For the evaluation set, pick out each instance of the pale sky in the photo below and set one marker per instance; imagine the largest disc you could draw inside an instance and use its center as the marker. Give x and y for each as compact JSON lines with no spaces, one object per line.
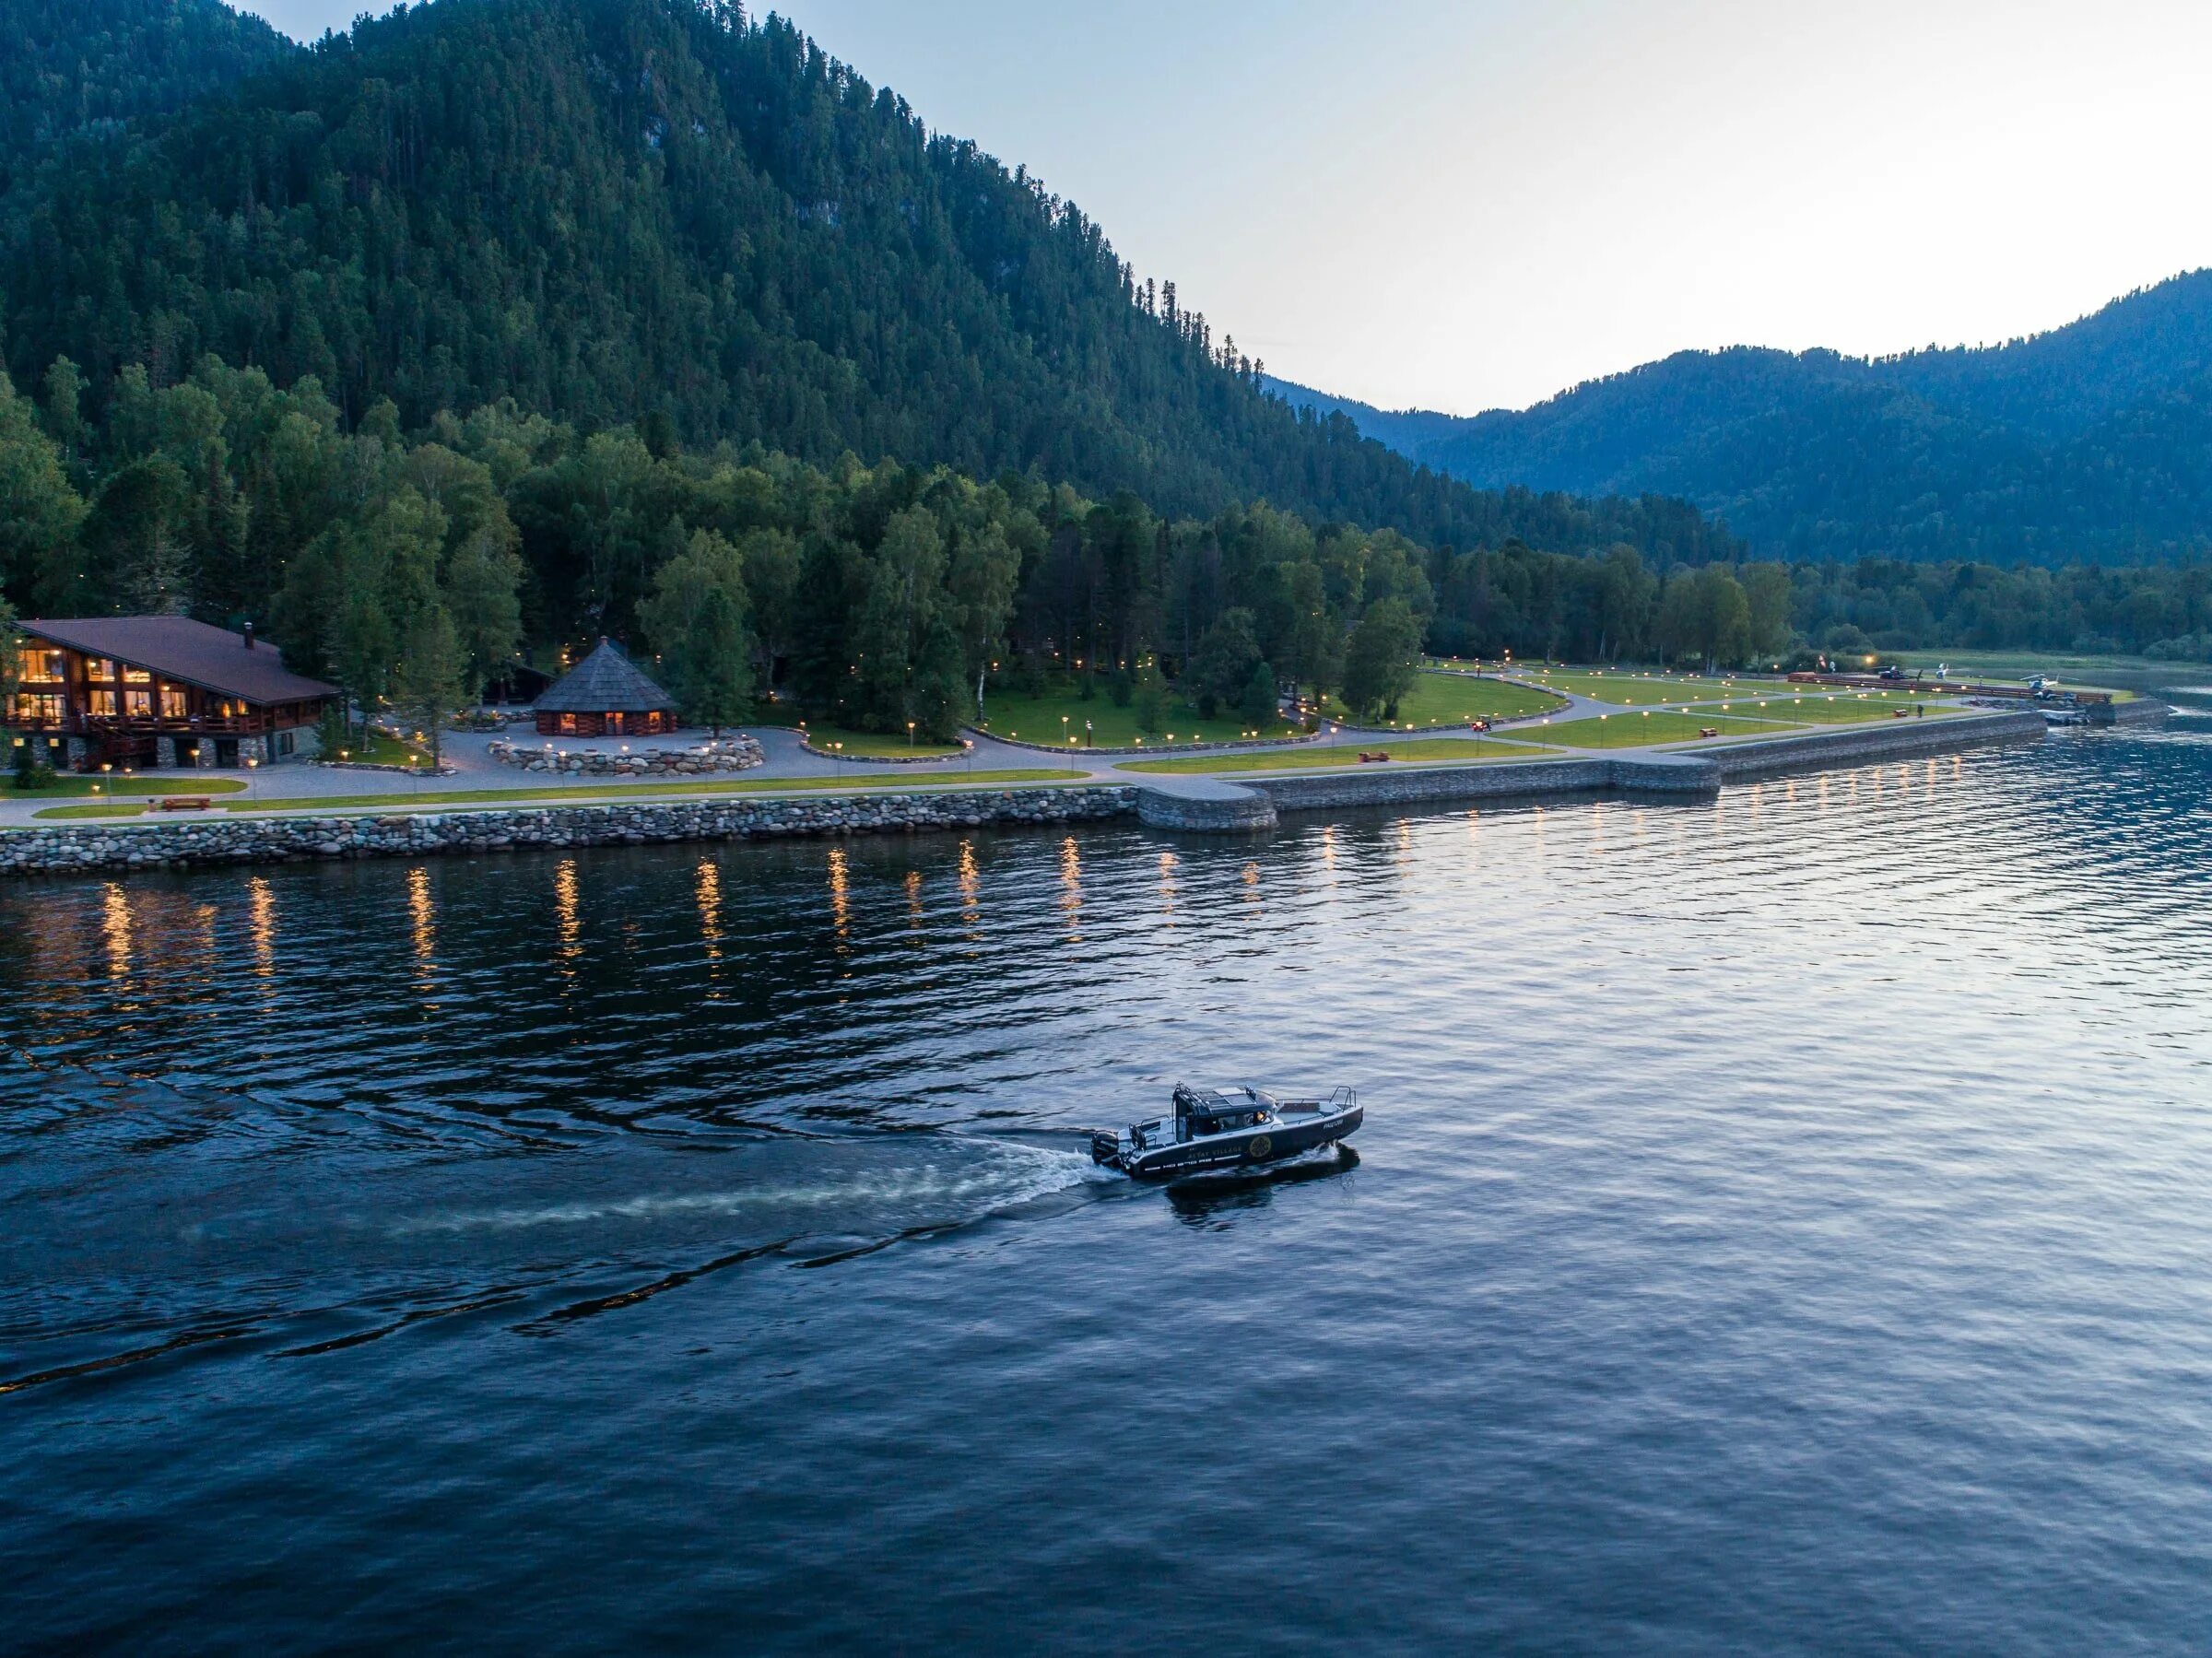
{"x":1468,"y":204}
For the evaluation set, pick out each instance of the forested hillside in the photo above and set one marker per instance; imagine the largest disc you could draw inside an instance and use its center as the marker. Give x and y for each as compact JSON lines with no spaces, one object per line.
{"x":604,"y":208}
{"x":70,"y":69}
{"x":2093,"y":441}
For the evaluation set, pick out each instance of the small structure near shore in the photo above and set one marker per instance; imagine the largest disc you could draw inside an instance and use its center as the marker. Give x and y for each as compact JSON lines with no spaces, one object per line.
{"x":606,"y":694}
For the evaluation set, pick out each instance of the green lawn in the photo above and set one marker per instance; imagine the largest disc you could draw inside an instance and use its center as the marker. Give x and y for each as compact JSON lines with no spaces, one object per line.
{"x":1635,"y":730}
{"x":72,"y":786}
{"x":1009,"y":714}
{"x":378,"y":749}
{"x":615,"y":793}
{"x":1341,"y":757}
{"x":1843,"y":708}
{"x":1629,"y":688}
{"x":115,"y":809}
{"x":874,"y":745}
{"x":1453,"y":699}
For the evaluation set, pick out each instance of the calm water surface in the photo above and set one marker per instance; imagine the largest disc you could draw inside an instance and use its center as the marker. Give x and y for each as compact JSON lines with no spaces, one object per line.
{"x":1783,"y":1222}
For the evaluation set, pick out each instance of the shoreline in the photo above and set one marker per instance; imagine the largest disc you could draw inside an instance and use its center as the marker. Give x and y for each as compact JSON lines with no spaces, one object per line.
{"x":1197,"y":803}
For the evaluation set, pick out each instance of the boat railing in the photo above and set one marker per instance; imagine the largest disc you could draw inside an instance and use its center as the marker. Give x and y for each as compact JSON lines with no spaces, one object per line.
{"x":1343,"y":1100}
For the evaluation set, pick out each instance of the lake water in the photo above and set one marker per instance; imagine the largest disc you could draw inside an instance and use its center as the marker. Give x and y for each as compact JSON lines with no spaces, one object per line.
{"x":1783,"y":1222}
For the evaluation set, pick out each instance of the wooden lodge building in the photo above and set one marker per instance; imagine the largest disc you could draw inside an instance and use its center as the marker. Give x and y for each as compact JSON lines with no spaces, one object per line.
{"x":606,"y":694}
{"x":159,"y":690}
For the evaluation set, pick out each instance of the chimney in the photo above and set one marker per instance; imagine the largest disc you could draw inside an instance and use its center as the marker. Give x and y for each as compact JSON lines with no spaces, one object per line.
{"x":249,"y":636}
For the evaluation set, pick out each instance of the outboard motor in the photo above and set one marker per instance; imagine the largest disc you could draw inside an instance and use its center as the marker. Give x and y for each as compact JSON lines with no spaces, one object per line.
{"x":1104,"y":1147}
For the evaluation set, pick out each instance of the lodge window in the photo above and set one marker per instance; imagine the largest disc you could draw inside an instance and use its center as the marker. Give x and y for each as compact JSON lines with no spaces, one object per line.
{"x":34,"y":708}
{"x":99,"y":667}
{"x":138,"y":705}
{"x":172,"y":702}
{"x":41,"y":668}
{"x":131,"y":675}
{"x":100,"y":704}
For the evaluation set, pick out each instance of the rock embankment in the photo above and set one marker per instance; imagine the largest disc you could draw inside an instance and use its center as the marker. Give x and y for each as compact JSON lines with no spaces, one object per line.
{"x":87,"y":847}
{"x":702,"y":759}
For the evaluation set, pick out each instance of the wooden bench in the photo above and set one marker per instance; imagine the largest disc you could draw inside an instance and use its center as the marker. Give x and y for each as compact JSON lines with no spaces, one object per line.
{"x":183,"y":803}
{"x":1367,"y":759}
{"x":1709,"y":731}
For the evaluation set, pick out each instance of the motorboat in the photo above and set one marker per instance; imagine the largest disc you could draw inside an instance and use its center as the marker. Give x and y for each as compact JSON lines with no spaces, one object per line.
{"x":1218,"y":1128}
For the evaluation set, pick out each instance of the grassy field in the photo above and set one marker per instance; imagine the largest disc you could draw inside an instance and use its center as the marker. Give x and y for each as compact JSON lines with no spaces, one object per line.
{"x":1627,"y":687}
{"x":381,"y":749}
{"x":875,"y":744}
{"x":74,"y":787}
{"x":107,"y":809}
{"x":1635,"y":730}
{"x":2071,"y":667}
{"x":1038,"y":720}
{"x":616,"y":793}
{"x":1845,"y":708}
{"x":1453,"y":699}
{"x":1342,"y":757}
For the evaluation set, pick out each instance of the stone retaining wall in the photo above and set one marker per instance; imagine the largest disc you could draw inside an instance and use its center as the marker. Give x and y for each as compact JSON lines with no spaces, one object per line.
{"x":1414,"y":785}
{"x":2141,"y":710}
{"x":80,"y":848}
{"x":1872,"y":742}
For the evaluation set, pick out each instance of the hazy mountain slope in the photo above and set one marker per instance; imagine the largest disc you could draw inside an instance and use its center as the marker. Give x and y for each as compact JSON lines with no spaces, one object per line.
{"x":2090,"y":440}
{"x":607,"y":208}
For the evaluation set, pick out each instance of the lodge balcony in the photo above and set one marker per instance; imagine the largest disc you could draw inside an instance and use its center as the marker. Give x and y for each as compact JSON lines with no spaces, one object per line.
{"x":73,"y":724}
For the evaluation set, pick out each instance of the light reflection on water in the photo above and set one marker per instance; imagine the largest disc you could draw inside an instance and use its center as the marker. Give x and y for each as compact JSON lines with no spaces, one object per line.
{"x":1782,"y":1220}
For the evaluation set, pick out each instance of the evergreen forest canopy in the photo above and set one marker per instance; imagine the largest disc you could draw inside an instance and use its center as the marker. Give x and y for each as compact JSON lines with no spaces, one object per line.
{"x":2091,"y":444}
{"x":607,"y":209}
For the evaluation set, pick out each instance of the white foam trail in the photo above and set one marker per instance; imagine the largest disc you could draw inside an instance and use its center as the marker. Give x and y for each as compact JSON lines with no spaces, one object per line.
{"x":992,"y":1184}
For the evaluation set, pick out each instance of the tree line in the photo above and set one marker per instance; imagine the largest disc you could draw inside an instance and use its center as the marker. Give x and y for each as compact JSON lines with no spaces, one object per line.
{"x":416,"y":566}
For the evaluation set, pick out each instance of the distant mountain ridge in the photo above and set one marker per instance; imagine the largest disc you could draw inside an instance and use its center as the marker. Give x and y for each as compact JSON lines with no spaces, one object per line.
{"x":2093,"y":441}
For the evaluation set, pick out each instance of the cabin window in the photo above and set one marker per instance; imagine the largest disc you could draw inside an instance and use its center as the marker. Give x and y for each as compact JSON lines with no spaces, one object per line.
{"x":138,"y":705}
{"x":100,"y":704}
{"x":614,"y":724}
{"x":37,"y":708}
{"x":172,"y":702}
{"x":99,"y":667}
{"x":42,"y":666}
{"x":568,"y":725}
{"x":131,"y":675}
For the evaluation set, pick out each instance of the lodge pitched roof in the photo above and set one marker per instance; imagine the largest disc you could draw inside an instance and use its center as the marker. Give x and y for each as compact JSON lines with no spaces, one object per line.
{"x":606,"y":682}
{"x":176,"y":647}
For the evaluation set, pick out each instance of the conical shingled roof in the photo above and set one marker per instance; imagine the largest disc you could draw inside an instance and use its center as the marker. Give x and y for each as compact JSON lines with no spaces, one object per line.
{"x":606,"y":682}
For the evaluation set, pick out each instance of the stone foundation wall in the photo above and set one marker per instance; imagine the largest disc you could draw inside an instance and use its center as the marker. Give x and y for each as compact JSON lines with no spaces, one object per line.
{"x":82,"y":847}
